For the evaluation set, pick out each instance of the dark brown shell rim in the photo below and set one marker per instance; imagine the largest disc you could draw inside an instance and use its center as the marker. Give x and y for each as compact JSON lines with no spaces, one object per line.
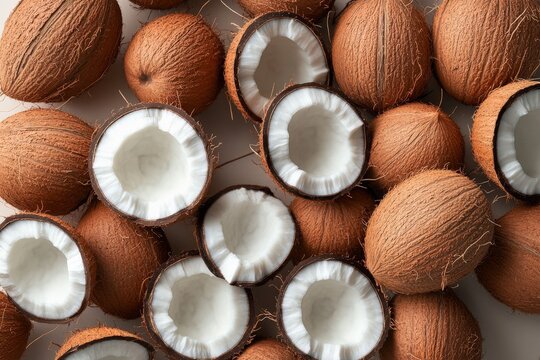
{"x":134,"y":339}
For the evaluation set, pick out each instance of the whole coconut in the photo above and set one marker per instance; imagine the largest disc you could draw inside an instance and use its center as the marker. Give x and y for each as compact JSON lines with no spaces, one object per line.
{"x":428,"y":232}
{"x":481,"y":45}
{"x":309,"y":9}
{"x":52,"y":50}
{"x":511,"y":272}
{"x":126,"y":255}
{"x":410,"y":139}
{"x":14,"y":330}
{"x":268,"y":349}
{"x":434,"y":326}
{"x":381,"y":52}
{"x":157,"y":4}
{"x":183,"y":68}
{"x":44,"y":161}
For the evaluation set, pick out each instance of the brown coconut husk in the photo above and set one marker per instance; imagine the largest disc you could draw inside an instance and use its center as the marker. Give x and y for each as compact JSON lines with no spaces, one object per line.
{"x":268,"y":349}
{"x":312,"y":10}
{"x":157,"y":4}
{"x":14,"y":330}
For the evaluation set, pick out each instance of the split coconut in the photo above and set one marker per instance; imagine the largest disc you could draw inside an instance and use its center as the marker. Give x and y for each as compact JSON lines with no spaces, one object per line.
{"x":504,"y":139}
{"x":14,"y":330}
{"x":151,"y":163}
{"x":329,"y":309}
{"x":309,"y":9}
{"x":313,"y":143}
{"x":245,"y":234}
{"x":157,"y":4}
{"x":270,"y":52}
{"x":45,"y":268}
{"x":52,"y":50}
{"x":428,"y":232}
{"x":192,"y":314}
{"x":44,"y":161}
{"x":176,"y":59}
{"x":268,"y":349}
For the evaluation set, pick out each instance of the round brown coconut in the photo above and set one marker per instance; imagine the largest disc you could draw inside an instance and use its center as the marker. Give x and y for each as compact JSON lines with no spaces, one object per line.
{"x":428,"y":232}
{"x":434,"y":326}
{"x":310,"y":9}
{"x":126,"y":256}
{"x":44,"y":161}
{"x":478,"y":47}
{"x":52,"y":50}
{"x":511,"y":271}
{"x":268,"y":349}
{"x":381,"y":53}
{"x":14,"y":330}
{"x":410,"y":139}
{"x":183,"y":68}
{"x":157,"y":4}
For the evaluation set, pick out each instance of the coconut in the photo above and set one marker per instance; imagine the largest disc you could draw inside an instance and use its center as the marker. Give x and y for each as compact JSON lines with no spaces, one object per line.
{"x":309,"y":9}
{"x":119,"y":244}
{"x":269,"y":53}
{"x":151,"y":163}
{"x":313,"y":143}
{"x":268,"y":349}
{"x":428,"y":232}
{"x":52,"y":50}
{"x":410,"y":139}
{"x":182,"y":68}
{"x":511,"y":272}
{"x":434,"y":326}
{"x":157,"y":4}
{"x":504,"y":140}
{"x":478,"y":47}
{"x":192,"y":314}
{"x":14,"y":330}
{"x":334,"y":227}
{"x":45,"y":268}
{"x":245,"y":234}
{"x":381,"y":53}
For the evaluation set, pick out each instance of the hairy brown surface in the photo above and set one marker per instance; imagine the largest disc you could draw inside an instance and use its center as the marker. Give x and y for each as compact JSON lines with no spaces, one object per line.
{"x":309,"y":9}
{"x":14,"y":330}
{"x":157,"y":4}
{"x":268,"y":349}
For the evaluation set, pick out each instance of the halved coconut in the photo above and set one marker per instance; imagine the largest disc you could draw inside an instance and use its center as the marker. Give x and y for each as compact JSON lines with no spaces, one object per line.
{"x":329,"y":309}
{"x":192,"y":314}
{"x":245,"y":234}
{"x":152,"y":163}
{"x":270,"y":52}
{"x":44,"y":269}
{"x":313,"y":142}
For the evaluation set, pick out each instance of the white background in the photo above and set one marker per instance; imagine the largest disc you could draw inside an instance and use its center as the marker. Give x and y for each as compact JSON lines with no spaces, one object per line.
{"x":507,"y":335}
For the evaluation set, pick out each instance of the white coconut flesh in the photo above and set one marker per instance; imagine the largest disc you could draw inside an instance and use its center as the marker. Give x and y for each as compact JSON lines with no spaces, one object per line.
{"x":316,"y":142}
{"x":151,"y":164}
{"x":111,"y":350}
{"x":196,"y":314}
{"x":518,"y":148}
{"x":42,"y":269}
{"x":249,"y":234}
{"x":282,"y":51}
{"x":331,"y":311}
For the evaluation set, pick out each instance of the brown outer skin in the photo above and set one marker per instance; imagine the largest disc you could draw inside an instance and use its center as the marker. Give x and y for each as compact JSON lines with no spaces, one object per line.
{"x":236,"y":48}
{"x":410,"y":139}
{"x":126,"y":256}
{"x":481,"y":45}
{"x":157,"y":4}
{"x":43,"y":161}
{"x":381,"y":53}
{"x":153,"y":332}
{"x":14,"y":330}
{"x":268,"y":349}
{"x":428,"y":232}
{"x":52,"y":50}
{"x":484,"y":133}
{"x":311,"y":10}
{"x":181,"y":214}
{"x":83,"y":339}
{"x":183,"y":68}
{"x":432,"y":326}
{"x":86,"y":254}
{"x":511,"y":271}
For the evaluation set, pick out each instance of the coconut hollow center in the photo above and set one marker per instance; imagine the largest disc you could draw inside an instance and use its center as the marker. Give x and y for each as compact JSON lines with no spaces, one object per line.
{"x":527,"y":144}
{"x":111,"y":350}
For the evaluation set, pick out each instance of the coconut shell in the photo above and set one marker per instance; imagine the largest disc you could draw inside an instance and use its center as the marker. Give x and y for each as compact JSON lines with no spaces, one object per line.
{"x":481,"y":45}
{"x":52,"y":50}
{"x":428,"y":232}
{"x":126,"y":256}
{"x":157,"y":4}
{"x":484,"y":133}
{"x":43,"y":161}
{"x":268,"y":349}
{"x":511,"y":272}
{"x":183,"y":68}
{"x":310,"y":9}
{"x":14,"y":330}
{"x":410,"y":139}
{"x":381,"y":53}
{"x":434,"y":326}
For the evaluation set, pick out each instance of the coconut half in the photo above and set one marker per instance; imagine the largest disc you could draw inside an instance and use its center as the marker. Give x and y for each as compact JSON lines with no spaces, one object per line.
{"x":245,"y":234}
{"x":152,"y":163}
{"x":331,"y":310}
{"x":43,"y":268}
{"x":313,"y":142}
{"x":270,"y":52}
{"x":192,"y":314}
